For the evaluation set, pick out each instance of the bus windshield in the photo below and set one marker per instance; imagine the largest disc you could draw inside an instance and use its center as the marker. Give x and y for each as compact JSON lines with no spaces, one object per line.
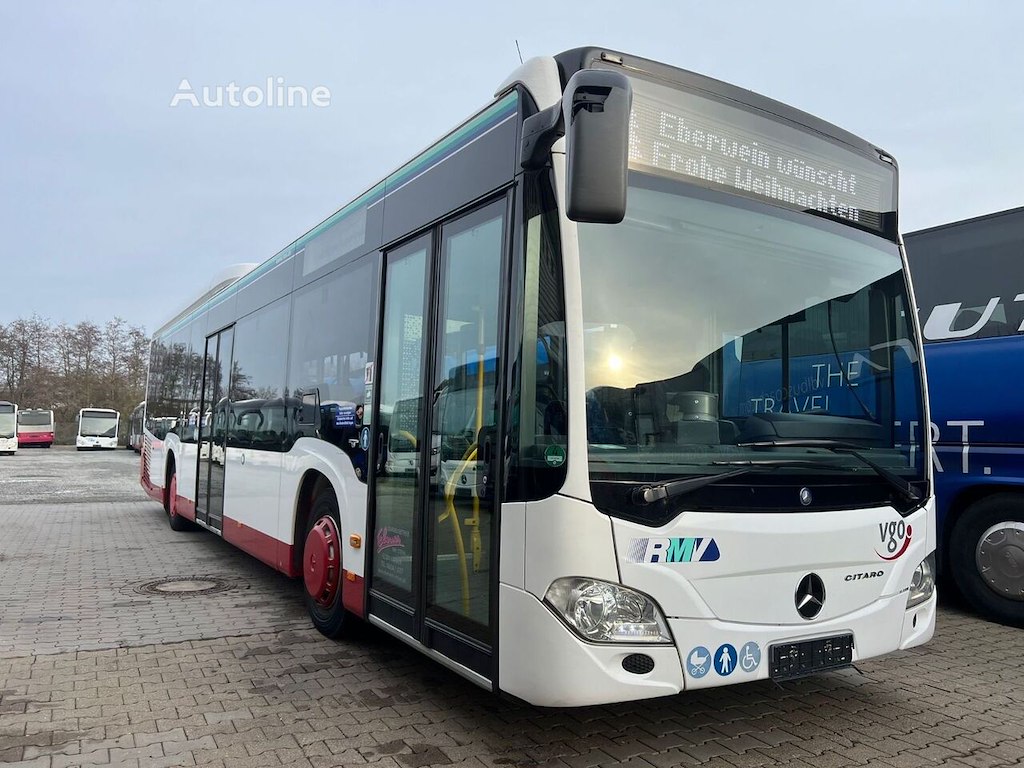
{"x":98,"y":424}
{"x":35,"y":418}
{"x":720,"y":331}
{"x":7,"y":421}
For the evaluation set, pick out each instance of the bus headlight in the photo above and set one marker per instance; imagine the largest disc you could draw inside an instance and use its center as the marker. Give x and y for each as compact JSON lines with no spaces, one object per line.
{"x":922,"y":584}
{"x":602,"y":612}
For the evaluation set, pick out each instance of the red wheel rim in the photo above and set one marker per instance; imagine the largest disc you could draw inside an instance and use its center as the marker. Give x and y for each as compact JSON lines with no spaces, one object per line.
{"x":321,"y":561}
{"x":172,"y":501}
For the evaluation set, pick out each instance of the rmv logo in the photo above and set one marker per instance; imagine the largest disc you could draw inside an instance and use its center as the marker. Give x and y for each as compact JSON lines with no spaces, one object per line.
{"x":689,"y":549}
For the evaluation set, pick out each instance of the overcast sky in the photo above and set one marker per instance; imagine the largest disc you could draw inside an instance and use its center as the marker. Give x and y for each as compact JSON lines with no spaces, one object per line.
{"x":115,"y":203}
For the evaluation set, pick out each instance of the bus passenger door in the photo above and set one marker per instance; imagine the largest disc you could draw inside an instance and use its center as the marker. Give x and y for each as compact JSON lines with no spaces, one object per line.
{"x":214,"y":423}
{"x":396,"y":487}
{"x":437,"y":431}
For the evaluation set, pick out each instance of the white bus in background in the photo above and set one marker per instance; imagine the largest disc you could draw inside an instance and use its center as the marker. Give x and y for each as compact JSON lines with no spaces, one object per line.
{"x":8,"y":427}
{"x":35,"y":427}
{"x":608,"y":301}
{"x":97,"y":428}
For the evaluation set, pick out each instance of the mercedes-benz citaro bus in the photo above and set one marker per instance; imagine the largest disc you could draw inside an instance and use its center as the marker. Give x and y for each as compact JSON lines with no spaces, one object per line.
{"x":35,"y":427}
{"x":677,"y":320}
{"x":97,"y":428}
{"x":8,"y":427}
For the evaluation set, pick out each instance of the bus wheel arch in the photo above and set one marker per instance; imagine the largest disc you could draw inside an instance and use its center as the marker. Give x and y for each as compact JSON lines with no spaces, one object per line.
{"x":320,"y":555}
{"x":985,"y":547}
{"x":313,"y":483}
{"x":176,"y":521}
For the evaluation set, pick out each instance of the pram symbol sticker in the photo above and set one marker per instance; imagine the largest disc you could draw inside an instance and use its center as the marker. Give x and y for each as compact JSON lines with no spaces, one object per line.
{"x":698,"y":662}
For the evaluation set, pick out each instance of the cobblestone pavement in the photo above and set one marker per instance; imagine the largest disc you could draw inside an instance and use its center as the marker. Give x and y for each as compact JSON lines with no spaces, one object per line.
{"x":95,"y":672}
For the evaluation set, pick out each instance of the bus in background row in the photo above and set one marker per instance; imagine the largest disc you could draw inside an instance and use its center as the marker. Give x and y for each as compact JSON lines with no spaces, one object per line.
{"x":969,"y":281}
{"x":97,"y":428}
{"x":35,"y":427}
{"x":643,"y":347}
{"x":136,"y":420}
{"x":8,"y":427}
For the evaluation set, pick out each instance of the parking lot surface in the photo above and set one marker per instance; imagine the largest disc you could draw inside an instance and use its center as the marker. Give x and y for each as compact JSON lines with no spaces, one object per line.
{"x":98,"y":666}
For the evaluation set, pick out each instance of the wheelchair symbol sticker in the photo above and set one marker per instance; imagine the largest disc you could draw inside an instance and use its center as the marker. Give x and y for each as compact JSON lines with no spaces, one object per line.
{"x":750,"y":657}
{"x":364,"y":438}
{"x":698,"y":662}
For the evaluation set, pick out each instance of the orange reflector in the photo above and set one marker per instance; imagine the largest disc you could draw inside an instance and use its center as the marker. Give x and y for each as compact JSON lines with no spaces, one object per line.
{"x":349,"y":576}
{"x":355,"y":541}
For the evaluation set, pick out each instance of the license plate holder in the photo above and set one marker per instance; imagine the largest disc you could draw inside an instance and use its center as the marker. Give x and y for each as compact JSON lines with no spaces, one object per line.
{"x":809,"y":657}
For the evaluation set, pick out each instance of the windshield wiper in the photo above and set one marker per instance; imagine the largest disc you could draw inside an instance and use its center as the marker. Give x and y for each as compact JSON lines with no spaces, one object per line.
{"x":842,"y":448}
{"x":648,"y":494}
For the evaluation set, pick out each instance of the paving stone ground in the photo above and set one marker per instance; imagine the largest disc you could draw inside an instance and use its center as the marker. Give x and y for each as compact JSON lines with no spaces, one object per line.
{"x":94,"y":672}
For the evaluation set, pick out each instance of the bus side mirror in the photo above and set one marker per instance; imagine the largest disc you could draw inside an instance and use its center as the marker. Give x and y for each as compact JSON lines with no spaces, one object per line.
{"x":595,"y":111}
{"x":594,"y":118}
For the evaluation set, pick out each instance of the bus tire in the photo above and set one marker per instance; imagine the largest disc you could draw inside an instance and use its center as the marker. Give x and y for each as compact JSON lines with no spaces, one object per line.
{"x":176,"y":521}
{"x":986,"y":553}
{"x":321,"y":567}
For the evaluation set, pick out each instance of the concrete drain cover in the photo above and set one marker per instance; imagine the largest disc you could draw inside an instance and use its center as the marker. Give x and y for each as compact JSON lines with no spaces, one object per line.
{"x":184,"y":586}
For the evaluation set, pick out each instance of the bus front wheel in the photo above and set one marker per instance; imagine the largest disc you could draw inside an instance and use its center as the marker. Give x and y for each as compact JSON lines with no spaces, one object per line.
{"x":321,"y":567}
{"x":176,"y":521}
{"x":986,"y":552}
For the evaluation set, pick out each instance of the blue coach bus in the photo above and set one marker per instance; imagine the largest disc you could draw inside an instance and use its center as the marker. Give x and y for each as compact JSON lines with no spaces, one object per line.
{"x":969,"y":281}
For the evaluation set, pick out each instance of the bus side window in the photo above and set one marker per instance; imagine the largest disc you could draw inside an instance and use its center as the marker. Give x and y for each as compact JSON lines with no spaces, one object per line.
{"x":538,"y":422}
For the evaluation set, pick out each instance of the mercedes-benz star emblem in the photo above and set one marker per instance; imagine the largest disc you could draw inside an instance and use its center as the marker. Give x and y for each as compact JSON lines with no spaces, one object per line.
{"x":810,"y":596}
{"x":805,"y":496}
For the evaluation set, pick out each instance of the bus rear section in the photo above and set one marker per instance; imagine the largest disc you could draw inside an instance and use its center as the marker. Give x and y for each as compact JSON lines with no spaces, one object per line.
{"x":969,"y":280}
{"x":35,"y":428}
{"x":8,"y":427}
{"x":136,"y":428}
{"x":97,"y":429}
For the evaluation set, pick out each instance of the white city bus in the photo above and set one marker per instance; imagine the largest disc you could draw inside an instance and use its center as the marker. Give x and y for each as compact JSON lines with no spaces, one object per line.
{"x":8,"y":427}
{"x":35,"y":427}
{"x":97,"y":428}
{"x":644,"y":346}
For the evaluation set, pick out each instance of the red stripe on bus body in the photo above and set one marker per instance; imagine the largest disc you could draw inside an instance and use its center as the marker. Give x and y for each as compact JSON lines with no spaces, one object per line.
{"x":186,"y":508}
{"x":155,"y":492}
{"x":277,"y":554}
{"x":353,"y":594}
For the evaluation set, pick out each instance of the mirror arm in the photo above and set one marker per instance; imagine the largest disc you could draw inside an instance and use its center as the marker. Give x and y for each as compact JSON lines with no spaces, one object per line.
{"x":540,"y":132}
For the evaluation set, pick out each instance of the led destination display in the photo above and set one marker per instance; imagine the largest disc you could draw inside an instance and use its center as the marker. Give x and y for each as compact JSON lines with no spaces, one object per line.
{"x":746,"y":151}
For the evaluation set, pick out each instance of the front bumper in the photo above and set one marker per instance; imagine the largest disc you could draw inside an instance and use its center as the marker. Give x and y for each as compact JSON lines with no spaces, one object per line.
{"x":567,"y":671}
{"x":96,"y":442}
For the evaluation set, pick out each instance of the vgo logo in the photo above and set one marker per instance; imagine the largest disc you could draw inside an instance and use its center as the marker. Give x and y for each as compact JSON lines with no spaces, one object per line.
{"x":895,"y":538}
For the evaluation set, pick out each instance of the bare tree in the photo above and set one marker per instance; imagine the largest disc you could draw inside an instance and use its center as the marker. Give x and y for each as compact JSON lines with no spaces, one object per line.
{"x":67,"y":367}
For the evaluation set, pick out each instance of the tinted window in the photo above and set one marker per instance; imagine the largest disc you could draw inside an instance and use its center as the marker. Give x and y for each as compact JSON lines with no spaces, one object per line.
{"x":331,"y":343}
{"x":967,"y":278}
{"x":33,"y":419}
{"x":173,"y":379}
{"x":258,"y":410}
{"x":539,"y":414}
